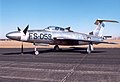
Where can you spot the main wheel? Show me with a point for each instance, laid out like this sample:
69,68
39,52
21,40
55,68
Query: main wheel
89,49
36,52
56,48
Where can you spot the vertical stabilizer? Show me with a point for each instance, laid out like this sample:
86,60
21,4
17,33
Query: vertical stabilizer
100,26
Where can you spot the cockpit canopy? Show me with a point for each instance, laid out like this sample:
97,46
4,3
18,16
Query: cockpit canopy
54,28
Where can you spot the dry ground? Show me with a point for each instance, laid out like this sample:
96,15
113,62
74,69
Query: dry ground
17,44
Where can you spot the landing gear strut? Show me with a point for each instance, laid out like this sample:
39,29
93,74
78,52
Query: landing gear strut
22,48
56,48
90,48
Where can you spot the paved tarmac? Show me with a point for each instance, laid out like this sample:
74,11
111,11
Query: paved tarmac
66,65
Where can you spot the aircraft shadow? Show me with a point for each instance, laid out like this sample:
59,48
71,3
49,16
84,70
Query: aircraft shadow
71,49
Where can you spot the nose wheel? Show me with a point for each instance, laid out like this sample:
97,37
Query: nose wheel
35,51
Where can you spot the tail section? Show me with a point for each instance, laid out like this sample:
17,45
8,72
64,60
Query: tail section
100,27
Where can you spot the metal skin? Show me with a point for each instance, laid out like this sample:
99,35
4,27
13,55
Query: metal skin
54,35
49,37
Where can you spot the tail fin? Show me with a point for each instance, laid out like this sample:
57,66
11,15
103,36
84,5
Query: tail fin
100,26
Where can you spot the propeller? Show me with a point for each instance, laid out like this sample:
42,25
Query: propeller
19,29
24,31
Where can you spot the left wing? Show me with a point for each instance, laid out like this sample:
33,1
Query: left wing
89,41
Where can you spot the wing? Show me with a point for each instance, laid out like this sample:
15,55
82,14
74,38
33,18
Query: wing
87,41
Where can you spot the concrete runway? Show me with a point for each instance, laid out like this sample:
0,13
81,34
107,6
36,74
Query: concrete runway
66,65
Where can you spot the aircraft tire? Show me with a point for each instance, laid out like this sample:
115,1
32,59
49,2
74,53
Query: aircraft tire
56,48
36,52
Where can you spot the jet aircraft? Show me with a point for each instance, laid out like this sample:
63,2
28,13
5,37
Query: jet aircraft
54,35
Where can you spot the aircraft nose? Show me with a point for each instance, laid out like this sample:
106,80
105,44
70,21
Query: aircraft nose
13,35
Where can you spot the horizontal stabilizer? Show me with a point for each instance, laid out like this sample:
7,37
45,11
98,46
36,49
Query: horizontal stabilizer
107,36
100,21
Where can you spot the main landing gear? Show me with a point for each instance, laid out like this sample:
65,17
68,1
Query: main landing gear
90,48
56,48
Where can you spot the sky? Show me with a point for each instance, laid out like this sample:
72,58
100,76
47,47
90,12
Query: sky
80,15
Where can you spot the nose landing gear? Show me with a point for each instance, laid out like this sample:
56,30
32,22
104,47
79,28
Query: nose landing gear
35,51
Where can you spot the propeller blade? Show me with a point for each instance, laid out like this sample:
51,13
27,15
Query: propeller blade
26,29
19,29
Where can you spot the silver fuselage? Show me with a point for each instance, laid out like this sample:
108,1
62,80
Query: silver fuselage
48,37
